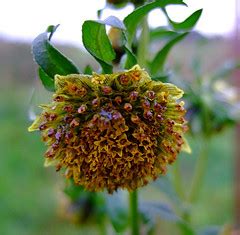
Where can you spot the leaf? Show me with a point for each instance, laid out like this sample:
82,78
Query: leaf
158,62
158,209
132,20
165,186
114,22
211,230
164,77
162,33
131,59
153,210
117,211
97,43
74,191
50,60
226,69
186,228
88,70
47,81
188,23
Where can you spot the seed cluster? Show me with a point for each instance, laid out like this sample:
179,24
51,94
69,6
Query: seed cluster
114,130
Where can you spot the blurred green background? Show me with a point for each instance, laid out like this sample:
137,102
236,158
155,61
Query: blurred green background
30,195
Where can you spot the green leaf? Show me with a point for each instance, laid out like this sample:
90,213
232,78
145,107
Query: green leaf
162,33
50,60
158,209
226,69
188,23
47,81
159,60
117,211
153,210
131,59
74,191
211,230
97,43
133,19
88,70
114,22
164,185
186,228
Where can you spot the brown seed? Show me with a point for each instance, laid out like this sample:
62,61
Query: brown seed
116,116
42,127
135,75
107,90
135,119
159,117
151,95
124,79
127,107
52,117
74,123
68,108
73,87
68,118
118,99
133,96
158,107
58,135
68,135
146,104
148,115
95,102
59,98
51,132
49,153
82,91
82,109
55,145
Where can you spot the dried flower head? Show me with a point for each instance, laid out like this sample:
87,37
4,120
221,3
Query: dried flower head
114,130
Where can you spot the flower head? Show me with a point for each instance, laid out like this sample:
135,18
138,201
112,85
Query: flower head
112,131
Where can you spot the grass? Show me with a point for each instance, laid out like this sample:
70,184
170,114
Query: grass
29,193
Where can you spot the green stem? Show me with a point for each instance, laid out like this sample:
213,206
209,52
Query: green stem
102,227
134,218
199,172
177,180
202,158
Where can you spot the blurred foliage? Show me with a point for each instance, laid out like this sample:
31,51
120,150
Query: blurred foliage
212,102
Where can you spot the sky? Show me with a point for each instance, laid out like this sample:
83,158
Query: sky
25,19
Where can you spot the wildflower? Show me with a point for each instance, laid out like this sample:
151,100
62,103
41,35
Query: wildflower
112,131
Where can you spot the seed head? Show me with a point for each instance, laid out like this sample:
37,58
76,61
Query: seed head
112,131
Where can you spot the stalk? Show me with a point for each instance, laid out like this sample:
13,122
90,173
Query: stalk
199,172
134,217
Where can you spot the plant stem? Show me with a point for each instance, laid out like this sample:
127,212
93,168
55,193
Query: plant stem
177,180
102,227
199,171
134,218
